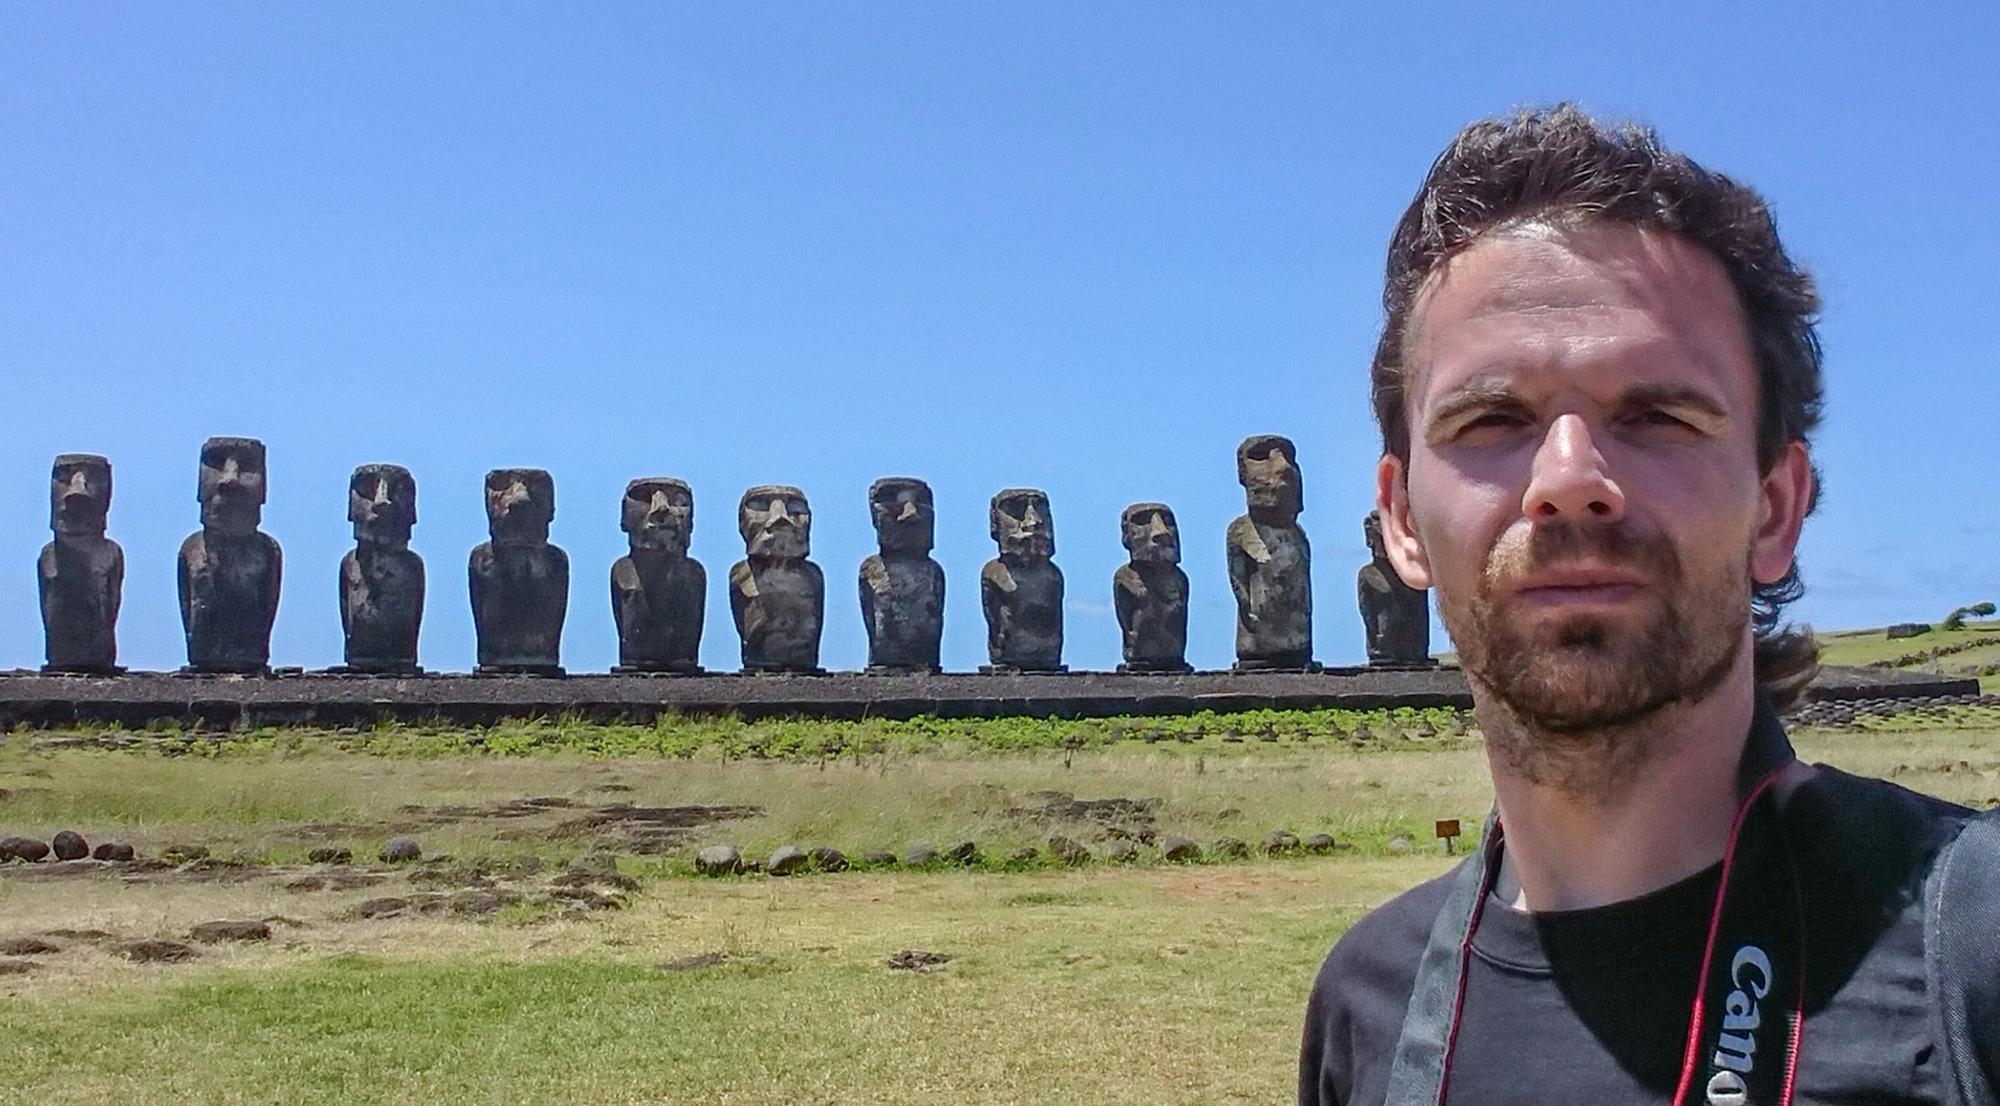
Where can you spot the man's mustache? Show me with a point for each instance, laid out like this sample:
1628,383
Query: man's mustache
1558,544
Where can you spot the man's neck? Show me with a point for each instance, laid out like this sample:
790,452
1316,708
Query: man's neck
1662,821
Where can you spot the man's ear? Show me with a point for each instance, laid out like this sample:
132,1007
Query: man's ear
1399,537
1786,494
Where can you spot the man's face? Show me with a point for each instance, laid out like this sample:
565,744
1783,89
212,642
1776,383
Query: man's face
1583,487
905,521
659,515
775,522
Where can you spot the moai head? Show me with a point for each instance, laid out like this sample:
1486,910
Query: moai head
79,494
1022,524
658,515
1371,531
382,504
1267,467
775,522
1151,534
905,521
232,485
520,504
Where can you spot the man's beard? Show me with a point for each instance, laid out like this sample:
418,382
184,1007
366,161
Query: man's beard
1583,689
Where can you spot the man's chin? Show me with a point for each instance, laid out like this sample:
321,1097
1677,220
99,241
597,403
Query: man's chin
1576,689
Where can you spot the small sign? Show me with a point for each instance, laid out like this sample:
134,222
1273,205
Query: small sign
1447,828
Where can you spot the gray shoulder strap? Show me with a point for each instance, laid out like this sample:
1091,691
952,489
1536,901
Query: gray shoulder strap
1962,953
1417,1070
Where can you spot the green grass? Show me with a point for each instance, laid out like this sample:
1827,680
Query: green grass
1865,647
1102,985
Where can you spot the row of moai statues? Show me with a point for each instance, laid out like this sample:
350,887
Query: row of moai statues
229,574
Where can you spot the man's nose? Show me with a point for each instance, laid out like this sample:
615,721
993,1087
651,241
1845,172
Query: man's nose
1570,480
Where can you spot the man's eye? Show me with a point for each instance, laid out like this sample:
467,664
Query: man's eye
1493,420
1661,419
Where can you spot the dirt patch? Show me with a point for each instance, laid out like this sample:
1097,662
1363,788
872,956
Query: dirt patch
1114,818
647,829
1219,882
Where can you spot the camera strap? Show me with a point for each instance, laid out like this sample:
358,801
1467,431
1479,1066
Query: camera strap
1742,1045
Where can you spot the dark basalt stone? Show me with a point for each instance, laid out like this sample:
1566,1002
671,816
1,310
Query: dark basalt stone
776,596
1395,616
1150,592
381,580
82,572
657,590
520,582
1270,561
902,588
1021,590
229,570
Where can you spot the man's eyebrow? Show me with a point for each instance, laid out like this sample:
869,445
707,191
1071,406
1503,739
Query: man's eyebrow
1674,395
1470,395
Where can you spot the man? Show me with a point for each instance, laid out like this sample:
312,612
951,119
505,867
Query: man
1596,387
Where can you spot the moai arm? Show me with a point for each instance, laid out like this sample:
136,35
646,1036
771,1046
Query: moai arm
186,586
476,590
872,577
348,578
114,584
559,586
742,604
268,605
627,600
1241,569
993,598
698,612
1128,595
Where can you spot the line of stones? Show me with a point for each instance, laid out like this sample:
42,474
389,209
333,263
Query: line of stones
229,572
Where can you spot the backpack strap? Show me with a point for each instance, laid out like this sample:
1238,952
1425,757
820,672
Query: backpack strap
1962,957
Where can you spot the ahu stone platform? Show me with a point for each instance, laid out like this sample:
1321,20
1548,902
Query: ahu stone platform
325,699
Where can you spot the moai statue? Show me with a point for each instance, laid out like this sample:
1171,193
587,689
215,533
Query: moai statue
902,589
776,595
1151,592
229,570
381,580
1022,589
657,590
520,583
1395,616
1270,562
82,572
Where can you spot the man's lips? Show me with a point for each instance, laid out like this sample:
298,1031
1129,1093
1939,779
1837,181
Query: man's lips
1580,588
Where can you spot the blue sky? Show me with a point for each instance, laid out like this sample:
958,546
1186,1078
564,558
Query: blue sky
1085,247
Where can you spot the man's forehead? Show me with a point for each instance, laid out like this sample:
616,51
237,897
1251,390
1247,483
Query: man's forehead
1605,301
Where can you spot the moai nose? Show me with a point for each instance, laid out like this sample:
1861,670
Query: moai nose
230,471
778,511
381,495
660,503
908,512
79,483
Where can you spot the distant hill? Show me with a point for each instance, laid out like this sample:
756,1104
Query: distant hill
1973,650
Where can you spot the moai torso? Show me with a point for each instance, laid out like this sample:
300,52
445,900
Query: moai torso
519,582
381,580
776,596
230,571
81,574
1150,592
658,592
657,601
1021,590
1395,617
902,588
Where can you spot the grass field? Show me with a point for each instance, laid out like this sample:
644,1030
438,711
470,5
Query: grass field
1973,650
1142,983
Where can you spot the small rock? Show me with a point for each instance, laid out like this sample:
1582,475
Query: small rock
787,860
919,855
16,967
586,898
1178,849
696,962
828,859
22,848
880,858
27,946
1121,852
1069,850
480,902
1281,842
962,852
79,934
1025,855
401,850
70,845
385,907
918,960
184,854
209,933
1231,848
330,855
1402,844
752,867
1319,843
113,850
156,952
718,860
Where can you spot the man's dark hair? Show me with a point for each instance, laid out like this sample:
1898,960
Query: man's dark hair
1559,166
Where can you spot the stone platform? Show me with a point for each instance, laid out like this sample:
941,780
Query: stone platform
326,699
